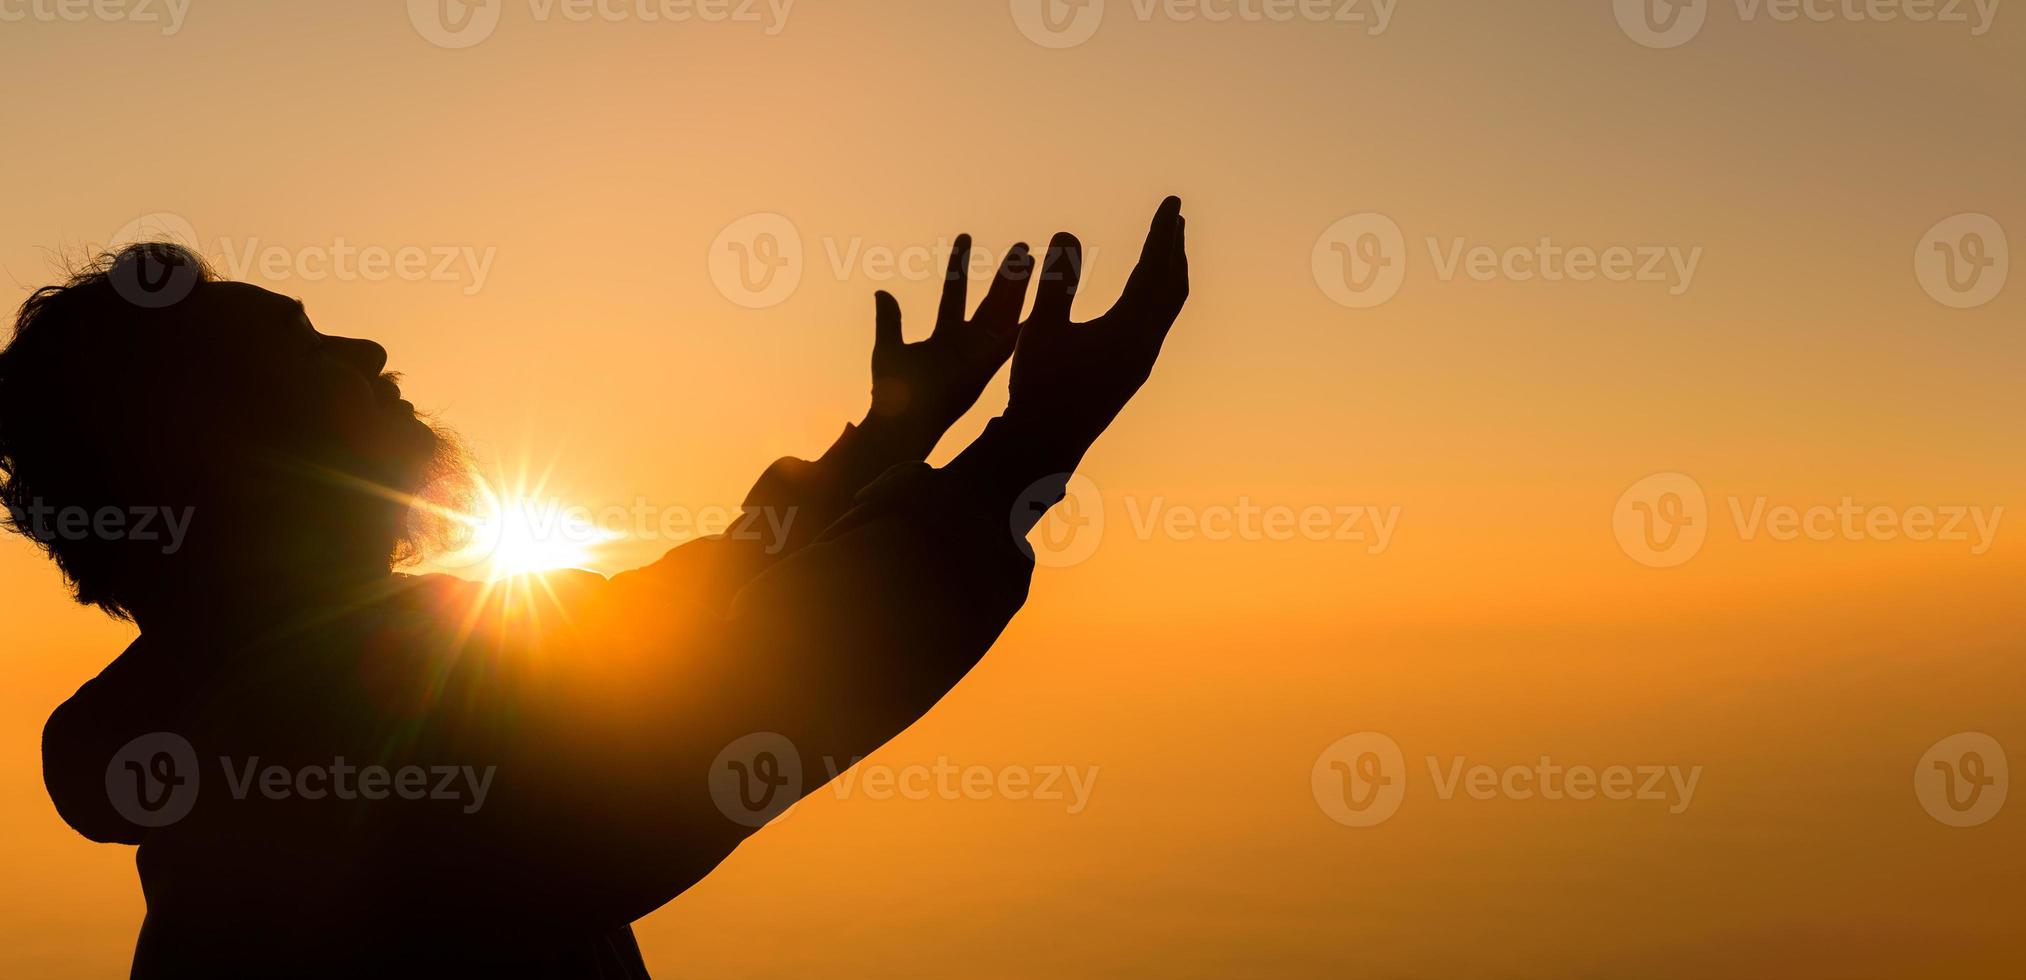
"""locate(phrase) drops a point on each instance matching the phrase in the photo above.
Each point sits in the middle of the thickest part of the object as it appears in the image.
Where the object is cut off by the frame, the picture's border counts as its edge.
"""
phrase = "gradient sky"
(593, 168)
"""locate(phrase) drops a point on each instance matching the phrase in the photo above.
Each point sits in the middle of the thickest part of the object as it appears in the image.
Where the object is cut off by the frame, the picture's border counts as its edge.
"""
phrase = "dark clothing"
(600, 709)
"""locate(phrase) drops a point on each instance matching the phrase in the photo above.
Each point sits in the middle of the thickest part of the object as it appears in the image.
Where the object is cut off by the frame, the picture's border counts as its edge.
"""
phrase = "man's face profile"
(291, 449)
(328, 393)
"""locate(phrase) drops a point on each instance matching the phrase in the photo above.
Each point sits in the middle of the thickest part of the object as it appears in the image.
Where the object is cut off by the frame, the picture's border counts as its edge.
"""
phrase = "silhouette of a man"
(331, 768)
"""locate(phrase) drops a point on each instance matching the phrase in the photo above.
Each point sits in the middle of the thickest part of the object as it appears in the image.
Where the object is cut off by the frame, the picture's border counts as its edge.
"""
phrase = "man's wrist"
(895, 439)
(1013, 453)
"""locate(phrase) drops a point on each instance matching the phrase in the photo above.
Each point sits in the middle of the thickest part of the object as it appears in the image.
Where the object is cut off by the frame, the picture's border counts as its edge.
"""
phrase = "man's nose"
(370, 358)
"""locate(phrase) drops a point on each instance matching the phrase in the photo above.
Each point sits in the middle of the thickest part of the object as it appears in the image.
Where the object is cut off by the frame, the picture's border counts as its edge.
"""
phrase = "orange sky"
(570, 182)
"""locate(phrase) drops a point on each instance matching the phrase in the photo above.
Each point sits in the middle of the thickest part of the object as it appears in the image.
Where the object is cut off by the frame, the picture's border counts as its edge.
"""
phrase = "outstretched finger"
(1178, 275)
(1155, 270)
(885, 321)
(956, 284)
(1060, 275)
(999, 314)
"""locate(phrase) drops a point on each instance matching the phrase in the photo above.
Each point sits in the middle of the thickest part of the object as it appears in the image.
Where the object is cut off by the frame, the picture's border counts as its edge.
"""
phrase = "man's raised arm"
(837, 648)
(918, 391)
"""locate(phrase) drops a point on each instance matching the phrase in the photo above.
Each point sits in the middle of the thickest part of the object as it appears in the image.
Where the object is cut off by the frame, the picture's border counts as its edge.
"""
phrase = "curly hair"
(76, 382)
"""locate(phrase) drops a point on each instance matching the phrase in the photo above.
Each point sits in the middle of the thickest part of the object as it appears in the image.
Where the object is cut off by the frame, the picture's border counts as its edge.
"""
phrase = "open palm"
(924, 387)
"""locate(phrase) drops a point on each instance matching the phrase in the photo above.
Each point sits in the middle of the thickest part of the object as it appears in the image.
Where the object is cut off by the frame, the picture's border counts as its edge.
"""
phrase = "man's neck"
(250, 608)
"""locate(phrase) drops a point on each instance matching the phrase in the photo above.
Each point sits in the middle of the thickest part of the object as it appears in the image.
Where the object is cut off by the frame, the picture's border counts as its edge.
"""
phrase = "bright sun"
(518, 530)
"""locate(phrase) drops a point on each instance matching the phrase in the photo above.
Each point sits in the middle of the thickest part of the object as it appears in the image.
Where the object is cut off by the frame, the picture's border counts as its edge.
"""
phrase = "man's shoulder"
(558, 587)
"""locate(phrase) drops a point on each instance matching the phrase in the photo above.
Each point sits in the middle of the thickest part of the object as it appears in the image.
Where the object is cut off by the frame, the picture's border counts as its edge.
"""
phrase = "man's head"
(145, 384)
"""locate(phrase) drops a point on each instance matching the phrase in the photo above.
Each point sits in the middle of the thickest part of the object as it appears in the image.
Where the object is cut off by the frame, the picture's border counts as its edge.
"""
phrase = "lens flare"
(516, 528)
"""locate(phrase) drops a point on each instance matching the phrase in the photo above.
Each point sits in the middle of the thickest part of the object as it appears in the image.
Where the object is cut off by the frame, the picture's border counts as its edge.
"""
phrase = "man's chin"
(427, 439)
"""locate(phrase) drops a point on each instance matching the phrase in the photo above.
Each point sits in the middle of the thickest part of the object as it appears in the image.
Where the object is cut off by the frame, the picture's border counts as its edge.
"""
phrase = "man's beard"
(443, 489)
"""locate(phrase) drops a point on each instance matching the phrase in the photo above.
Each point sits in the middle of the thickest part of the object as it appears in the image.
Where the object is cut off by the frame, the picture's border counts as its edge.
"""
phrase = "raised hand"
(919, 390)
(1069, 379)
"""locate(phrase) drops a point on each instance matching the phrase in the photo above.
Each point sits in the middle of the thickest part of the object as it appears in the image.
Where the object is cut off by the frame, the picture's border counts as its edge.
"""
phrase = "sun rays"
(516, 529)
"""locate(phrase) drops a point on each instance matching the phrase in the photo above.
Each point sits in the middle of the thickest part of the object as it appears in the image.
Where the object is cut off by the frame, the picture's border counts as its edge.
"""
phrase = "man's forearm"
(852, 639)
(1018, 468)
(815, 493)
